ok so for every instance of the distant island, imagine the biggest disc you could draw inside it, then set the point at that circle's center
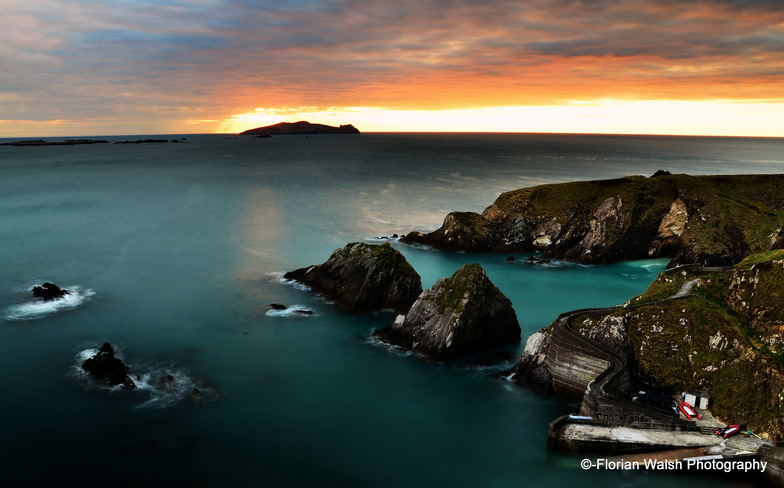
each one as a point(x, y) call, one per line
point(301, 127)
point(41, 142)
point(74, 142)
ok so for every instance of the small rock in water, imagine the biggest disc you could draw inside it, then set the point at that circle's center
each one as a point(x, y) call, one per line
point(49, 291)
point(277, 306)
point(105, 365)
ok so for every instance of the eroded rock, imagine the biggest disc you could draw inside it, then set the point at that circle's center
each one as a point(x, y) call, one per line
point(362, 277)
point(463, 314)
point(49, 291)
point(107, 366)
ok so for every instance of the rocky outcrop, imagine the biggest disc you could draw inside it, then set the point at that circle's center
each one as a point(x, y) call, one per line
point(107, 366)
point(362, 277)
point(49, 291)
point(706, 220)
point(532, 370)
point(301, 127)
point(756, 292)
point(722, 338)
point(459, 315)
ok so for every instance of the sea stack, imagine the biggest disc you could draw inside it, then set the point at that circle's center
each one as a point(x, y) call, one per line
point(107, 366)
point(460, 315)
point(363, 278)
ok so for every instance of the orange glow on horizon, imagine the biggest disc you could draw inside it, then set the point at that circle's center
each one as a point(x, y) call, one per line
point(671, 117)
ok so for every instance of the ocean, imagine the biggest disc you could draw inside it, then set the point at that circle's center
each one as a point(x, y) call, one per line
point(173, 252)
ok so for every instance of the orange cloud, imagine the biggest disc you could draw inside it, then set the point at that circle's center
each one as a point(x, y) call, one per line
point(171, 65)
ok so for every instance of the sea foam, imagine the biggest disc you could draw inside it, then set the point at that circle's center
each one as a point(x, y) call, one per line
point(277, 277)
point(36, 308)
point(292, 311)
point(159, 386)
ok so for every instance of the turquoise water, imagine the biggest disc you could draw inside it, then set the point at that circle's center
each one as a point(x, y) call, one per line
point(172, 252)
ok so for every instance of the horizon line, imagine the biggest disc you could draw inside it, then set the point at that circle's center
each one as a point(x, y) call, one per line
point(641, 134)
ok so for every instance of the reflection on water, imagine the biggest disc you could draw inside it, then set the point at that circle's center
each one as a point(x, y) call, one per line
point(183, 245)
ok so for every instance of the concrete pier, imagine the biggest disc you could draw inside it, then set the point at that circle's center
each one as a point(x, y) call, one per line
point(611, 424)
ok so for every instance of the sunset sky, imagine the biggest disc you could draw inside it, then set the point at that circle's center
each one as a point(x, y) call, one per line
point(88, 67)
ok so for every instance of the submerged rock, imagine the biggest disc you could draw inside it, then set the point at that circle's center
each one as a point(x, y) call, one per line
point(107, 366)
point(459, 315)
point(49, 291)
point(362, 277)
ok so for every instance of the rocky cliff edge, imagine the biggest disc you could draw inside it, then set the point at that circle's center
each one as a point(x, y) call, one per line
point(707, 220)
point(725, 337)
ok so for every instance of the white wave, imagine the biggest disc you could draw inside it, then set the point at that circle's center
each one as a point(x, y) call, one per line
point(395, 349)
point(292, 311)
point(163, 386)
point(277, 277)
point(166, 387)
point(391, 238)
point(37, 308)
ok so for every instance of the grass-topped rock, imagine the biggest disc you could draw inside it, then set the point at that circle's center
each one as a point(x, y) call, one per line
point(724, 337)
point(707, 220)
point(460, 315)
point(362, 277)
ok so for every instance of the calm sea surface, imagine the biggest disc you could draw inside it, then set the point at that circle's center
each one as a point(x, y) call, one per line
point(172, 252)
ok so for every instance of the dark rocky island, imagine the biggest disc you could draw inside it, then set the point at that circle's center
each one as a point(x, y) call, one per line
point(149, 141)
point(301, 127)
point(707, 220)
point(41, 142)
point(107, 366)
point(459, 315)
point(49, 291)
point(362, 278)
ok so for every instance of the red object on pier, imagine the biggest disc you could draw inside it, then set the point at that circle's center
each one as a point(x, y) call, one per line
point(728, 430)
point(689, 411)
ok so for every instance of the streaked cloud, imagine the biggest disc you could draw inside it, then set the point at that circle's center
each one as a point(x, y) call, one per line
point(169, 63)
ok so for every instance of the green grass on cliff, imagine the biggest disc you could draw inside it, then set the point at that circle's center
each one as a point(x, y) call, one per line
point(566, 199)
point(664, 286)
point(774, 255)
point(726, 213)
point(457, 287)
point(707, 342)
point(472, 221)
point(382, 252)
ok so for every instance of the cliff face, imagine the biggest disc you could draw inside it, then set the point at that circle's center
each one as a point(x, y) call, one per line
point(301, 127)
point(459, 315)
point(724, 338)
point(708, 220)
point(362, 277)
point(756, 292)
